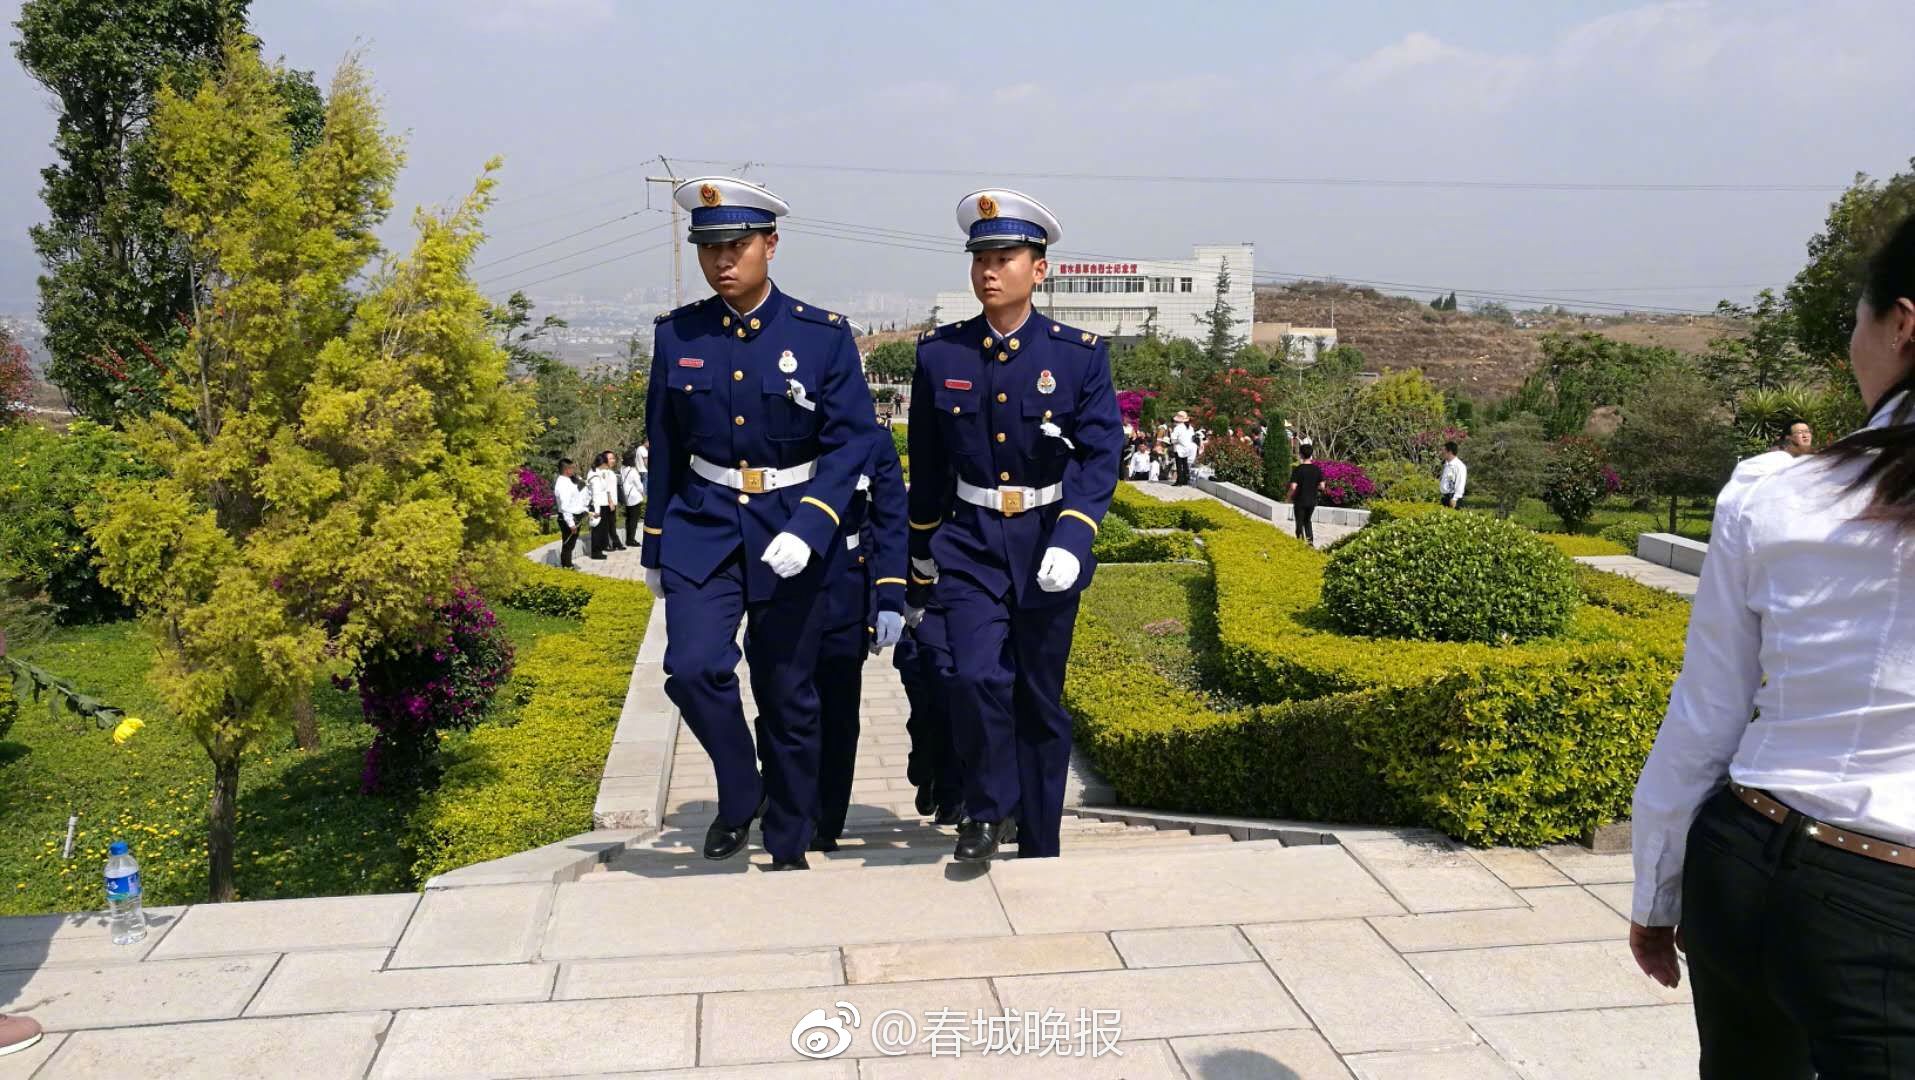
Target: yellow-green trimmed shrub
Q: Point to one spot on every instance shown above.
(1382, 510)
(1576, 546)
(9, 704)
(1524, 744)
(510, 788)
(1449, 577)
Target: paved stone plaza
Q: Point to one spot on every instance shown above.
(1384, 955)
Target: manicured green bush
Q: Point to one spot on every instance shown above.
(508, 789)
(1233, 460)
(1575, 479)
(1623, 534)
(42, 546)
(1574, 545)
(1383, 510)
(1401, 480)
(1521, 744)
(563, 599)
(1119, 542)
(1449, 577)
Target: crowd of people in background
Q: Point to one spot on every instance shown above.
(616, 482)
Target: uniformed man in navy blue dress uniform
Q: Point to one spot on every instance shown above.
(864, 604)
(760, 425)
(1014, 443)
(923, 662)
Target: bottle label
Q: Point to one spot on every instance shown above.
(123, 888)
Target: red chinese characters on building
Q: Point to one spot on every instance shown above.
(1097, 268)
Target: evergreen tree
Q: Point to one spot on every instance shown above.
(1221, 341)
(1276, 458)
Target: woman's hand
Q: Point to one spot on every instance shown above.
(1655, 950)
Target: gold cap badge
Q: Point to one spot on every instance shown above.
(708, 195)
(986, 207)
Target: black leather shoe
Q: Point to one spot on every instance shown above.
(979, 840)
(722, 841)
(949, 814)
(824, 843)
(798, 863)
(927, 800)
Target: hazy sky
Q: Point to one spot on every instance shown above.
(578, 95)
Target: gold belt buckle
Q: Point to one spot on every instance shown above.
(1012, 502)
(753, 481)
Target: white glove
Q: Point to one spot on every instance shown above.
(926, 568)
(913, 616)
(787, 554)
(890, 629)
(655, 581)
(1059, 570)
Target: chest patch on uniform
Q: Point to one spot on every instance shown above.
(787, 363)
(957, 384)
(690, 362)
(1046, 382)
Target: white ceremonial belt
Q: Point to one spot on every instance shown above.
(754, 481)
(1009, 500)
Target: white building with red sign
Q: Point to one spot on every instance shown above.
(1121, 298)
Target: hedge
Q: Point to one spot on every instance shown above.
(1525, 744)
(507, 789)
(1576, 546)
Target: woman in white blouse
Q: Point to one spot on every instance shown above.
(1784, 845)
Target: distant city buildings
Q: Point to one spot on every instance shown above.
(1127, 298)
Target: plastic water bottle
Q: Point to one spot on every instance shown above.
(123, 895)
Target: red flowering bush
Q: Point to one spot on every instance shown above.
(1345, 484)
(411, 695)
(1575, 478)
(1231, 401)
(531, 491)
(1130, 405)
(1234, 460)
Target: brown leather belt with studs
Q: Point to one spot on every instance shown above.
(1869, 847)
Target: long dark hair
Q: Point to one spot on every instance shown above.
(1889, 450)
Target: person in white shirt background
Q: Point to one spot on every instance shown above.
(604, 487)
(1779, 852)
(1139, 465)
(631, 490)
(1454, 479)
(1183, 443)
(573, 503)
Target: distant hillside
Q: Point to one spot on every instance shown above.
(1478, 356)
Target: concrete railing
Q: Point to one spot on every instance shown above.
(1672, 551)
(1275, 511)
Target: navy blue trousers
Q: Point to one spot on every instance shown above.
(841, 655)
(701, 678)
(924, 667)
(1007, 685)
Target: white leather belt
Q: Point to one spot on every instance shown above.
(1008, 500)
(851, 542)
(753, 481)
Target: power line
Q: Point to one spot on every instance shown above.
(588, 266)
(1298, 181)
(576, 254)
(565, 215)
(575, 183)
(562, 239)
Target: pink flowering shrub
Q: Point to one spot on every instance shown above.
(1345, 484)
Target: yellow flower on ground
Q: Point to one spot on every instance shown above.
(128, 728)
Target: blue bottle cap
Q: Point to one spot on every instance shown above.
(117, 847)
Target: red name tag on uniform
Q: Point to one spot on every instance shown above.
(690, 361)
(957, 384)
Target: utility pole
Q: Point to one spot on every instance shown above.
(678, 278)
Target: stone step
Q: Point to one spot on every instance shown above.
(677, 861)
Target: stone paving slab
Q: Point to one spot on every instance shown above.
(1158, 1003)
(35, 941)
(1261, 1055)
(1197, 888)
(706, 974)
(974, 957)
(1585, 867)
(757, 1026)
(1183, 947)
(483, 924)
(1557, 914)
(1474, 1063)
(1529, 978)
(769, 911)
(277, 926)
(1139, 1061)
(483, 1042)
(1433, 875)
(21, 1063)
(352, 981)
(309, 1047)
(1620, 896)
(154, 992)
(1654, 1043)
(1520, 868)
(1357, 991)
(795, 1070)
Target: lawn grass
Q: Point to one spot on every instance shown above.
(303, 827)
(1165, 613)
(1693, 516)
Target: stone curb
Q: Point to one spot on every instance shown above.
(1276, 512)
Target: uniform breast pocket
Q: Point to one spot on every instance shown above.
(693, 405)
(786, 416)
(958, 411)
(1048, 422)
